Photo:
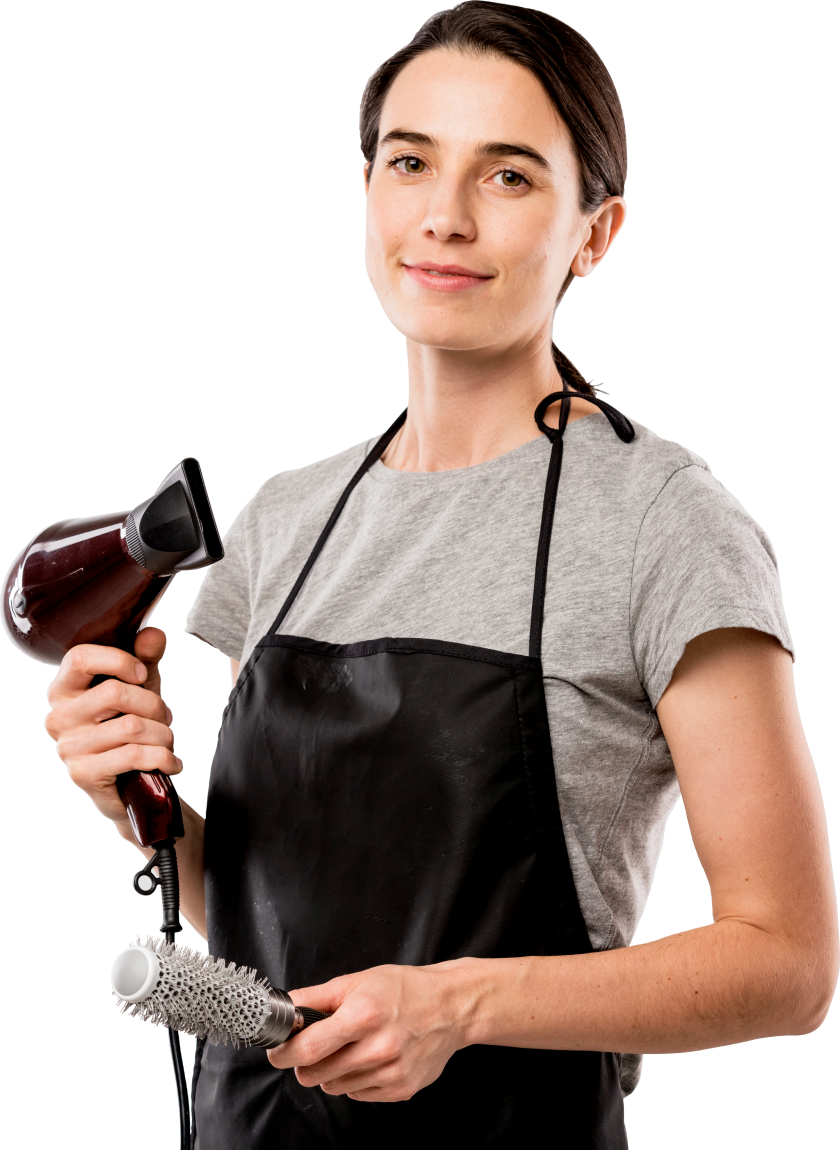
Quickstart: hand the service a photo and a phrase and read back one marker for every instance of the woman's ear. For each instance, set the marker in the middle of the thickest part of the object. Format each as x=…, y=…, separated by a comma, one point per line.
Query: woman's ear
x=603, y=226
x=366, y=170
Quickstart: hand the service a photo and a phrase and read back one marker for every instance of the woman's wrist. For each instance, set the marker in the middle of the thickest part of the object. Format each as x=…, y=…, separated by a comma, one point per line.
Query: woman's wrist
x=473, y=991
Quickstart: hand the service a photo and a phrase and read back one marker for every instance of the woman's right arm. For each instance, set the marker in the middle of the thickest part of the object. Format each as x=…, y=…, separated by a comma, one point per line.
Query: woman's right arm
x=123, y=725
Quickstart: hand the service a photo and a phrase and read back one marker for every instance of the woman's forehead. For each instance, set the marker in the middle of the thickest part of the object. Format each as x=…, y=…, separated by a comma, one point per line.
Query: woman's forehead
x=458, y=98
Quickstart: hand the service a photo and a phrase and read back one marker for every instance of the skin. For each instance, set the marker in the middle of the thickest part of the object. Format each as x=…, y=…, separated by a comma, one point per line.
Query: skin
x=479, y=361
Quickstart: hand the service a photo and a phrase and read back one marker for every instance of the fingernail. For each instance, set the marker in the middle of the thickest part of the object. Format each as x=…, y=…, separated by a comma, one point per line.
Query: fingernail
x=141, y=672
x=168, y=716
x=180, y=763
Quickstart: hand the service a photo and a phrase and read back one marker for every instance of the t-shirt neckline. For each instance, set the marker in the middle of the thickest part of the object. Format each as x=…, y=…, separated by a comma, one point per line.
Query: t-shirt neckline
x=536, y=448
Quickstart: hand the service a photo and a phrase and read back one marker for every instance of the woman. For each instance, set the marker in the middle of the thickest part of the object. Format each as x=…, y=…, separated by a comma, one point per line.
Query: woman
x=448, y=836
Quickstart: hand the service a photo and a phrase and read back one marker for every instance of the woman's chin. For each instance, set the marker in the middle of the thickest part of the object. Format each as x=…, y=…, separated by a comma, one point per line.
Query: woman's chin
x=448, y=332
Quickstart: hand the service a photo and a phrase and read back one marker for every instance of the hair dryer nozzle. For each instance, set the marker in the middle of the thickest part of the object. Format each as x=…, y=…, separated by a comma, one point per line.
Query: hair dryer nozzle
x=175, y=529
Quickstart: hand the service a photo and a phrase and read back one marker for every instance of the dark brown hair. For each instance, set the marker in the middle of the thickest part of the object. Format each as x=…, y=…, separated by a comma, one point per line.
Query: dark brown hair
x=574, y=79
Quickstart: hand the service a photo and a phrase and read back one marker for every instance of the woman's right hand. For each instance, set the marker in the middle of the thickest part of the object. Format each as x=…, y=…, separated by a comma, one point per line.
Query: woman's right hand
x=120, y=725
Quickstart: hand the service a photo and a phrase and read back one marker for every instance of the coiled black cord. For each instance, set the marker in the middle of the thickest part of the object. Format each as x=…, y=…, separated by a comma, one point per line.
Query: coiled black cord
x=166, y=862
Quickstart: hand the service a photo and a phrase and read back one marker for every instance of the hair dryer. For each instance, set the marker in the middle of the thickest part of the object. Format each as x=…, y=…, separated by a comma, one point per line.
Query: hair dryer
x=96, y=581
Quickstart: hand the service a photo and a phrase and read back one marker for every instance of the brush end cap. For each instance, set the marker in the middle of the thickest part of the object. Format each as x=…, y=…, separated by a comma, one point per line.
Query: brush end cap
x=135, y=973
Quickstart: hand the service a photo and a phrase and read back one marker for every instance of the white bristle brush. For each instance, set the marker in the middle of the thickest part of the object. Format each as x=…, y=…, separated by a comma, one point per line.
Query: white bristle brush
x=197, y=994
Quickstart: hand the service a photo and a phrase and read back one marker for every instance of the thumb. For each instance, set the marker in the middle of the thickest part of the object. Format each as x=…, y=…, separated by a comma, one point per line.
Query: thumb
x=149, y=647
x=327, y=997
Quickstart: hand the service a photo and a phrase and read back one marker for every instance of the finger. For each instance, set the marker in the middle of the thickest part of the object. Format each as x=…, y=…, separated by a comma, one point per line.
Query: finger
x=102, y=703
x=327, y=996
x=385, y=1084
x=349, y=1083
x=307, y=1049
x=150, y=644
x=82, y=663
x=347, y=1065
x=98, y=773
x=379, y=1094
x=149, y=647
x=96, y=738
x=334, y=1047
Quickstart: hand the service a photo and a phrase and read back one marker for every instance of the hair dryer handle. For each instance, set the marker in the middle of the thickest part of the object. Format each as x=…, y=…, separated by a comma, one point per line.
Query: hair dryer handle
x=150, y=800
x=153, y=806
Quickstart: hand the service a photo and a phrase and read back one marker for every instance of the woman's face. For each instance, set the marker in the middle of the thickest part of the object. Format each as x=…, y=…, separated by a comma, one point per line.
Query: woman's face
x=472, y=214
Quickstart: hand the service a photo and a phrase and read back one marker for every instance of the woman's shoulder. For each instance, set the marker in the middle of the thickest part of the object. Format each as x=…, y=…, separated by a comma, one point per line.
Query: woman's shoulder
x=303, y=485
x=646, y=462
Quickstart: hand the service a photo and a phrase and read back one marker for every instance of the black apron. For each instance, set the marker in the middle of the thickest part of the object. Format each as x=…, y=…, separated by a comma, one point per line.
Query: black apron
x=394, y=801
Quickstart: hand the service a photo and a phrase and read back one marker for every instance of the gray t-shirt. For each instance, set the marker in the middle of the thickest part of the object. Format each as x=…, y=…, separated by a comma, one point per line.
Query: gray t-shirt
x=648, y=551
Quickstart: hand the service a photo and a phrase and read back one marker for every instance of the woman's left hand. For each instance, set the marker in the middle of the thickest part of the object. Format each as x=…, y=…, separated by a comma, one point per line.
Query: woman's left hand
x=392, y=1031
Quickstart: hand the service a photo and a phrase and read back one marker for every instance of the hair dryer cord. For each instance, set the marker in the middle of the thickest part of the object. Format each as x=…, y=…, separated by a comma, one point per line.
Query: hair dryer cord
x=146, y=882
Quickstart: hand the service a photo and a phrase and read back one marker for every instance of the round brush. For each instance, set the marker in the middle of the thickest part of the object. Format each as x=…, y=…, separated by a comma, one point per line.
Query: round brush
x=176, y=987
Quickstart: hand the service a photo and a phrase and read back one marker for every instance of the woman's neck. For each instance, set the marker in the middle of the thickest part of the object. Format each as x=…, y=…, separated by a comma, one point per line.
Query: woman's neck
x=458, y=430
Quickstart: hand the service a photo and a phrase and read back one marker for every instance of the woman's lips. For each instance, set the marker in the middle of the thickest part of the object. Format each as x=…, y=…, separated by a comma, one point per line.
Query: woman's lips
x=445, y=277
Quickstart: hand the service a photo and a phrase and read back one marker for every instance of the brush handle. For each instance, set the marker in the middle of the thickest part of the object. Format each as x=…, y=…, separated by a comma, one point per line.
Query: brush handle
x=284, y=1020
x=149, y=797
x=305, y=1016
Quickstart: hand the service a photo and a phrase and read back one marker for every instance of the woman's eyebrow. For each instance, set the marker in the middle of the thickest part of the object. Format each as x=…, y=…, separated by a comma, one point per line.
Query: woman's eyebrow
x=494, y=148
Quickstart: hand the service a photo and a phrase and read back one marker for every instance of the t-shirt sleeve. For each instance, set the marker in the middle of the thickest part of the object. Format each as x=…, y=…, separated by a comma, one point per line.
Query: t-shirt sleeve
x=221, y=613
x=701, y=563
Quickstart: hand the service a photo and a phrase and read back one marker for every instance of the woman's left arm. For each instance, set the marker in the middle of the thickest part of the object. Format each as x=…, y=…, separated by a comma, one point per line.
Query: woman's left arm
x=766, y=966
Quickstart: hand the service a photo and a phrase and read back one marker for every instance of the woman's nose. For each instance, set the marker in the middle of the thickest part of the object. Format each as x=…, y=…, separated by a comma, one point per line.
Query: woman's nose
x=449, y=215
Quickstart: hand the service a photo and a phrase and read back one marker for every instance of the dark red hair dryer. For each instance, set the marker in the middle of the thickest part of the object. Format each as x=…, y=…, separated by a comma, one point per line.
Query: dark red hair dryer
x=95, y=581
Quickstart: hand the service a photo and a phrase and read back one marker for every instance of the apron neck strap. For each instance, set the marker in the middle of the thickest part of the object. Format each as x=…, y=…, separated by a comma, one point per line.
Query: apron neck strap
x=624, y=430
x=366, y=464
x=621, y=425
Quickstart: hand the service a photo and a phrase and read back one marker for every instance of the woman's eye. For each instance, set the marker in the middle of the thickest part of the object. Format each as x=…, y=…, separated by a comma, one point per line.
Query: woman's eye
x=517, y=175
x=503, y=171
x=405, y=159
x=410, y=165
